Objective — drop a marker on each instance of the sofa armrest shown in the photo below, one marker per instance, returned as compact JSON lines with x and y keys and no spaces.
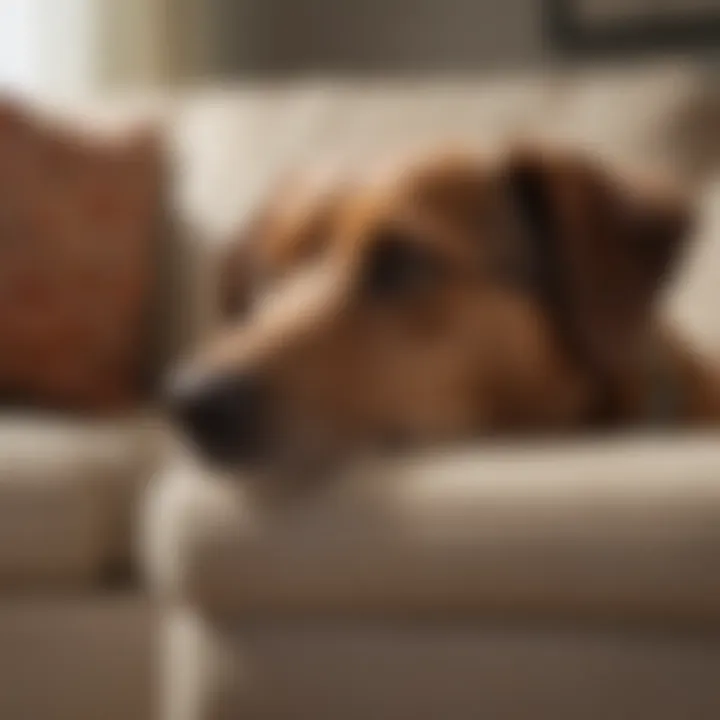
{"x":610,"y":528}
{"x":68,"y":490}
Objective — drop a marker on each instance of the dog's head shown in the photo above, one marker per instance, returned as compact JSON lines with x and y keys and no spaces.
{"x":457,"y":297}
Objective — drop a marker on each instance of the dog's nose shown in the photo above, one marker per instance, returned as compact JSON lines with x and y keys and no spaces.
{"x":222,"y":415}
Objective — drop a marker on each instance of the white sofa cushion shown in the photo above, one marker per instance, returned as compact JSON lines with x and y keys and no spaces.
{"x":66,"y":489}
{"x":615,"y":527}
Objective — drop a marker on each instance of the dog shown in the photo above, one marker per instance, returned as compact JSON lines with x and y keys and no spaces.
{"x":454,"y":297}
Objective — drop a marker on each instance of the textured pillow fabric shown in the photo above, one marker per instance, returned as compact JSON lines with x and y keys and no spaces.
{"x":80,"y":227}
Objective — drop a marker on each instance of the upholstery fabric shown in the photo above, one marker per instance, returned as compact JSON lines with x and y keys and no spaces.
{"x":81,"y":217}
{"x":78,"y":657}
{"x":424,"y":671}
{"x":67,"y":496}
{"x":235,"y":141}
{"x":616,"y":528}
{"x":694,"y":301}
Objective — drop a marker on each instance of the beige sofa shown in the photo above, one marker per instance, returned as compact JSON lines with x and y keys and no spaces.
{"x":501,"y":582}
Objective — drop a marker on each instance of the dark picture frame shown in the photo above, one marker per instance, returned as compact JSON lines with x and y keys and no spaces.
{"x":569,"y":34}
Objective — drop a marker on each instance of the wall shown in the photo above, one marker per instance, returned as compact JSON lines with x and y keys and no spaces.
{"x":316,"y":36}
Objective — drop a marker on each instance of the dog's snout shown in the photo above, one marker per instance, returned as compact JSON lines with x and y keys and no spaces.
{"x":223,"y":415}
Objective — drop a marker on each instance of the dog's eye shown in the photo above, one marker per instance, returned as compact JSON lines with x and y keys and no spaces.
{"x":397,"y":264}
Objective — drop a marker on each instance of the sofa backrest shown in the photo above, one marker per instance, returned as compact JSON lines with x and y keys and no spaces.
{"x":229,"y":144}
{"x":235,"y":141}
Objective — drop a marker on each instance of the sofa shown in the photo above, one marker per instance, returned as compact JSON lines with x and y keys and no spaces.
{"x":570,"y":580}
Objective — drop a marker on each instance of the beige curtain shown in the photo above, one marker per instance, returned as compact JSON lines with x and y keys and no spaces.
{"x":149,"y":42}
{"x":86,"y":47}
{"x":133,"y":45}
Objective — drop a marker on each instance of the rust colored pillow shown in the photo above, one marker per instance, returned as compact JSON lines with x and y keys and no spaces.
{"x":80,"y":222}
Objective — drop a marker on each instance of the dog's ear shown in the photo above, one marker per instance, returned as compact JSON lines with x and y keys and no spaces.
{"x":604,"y":246}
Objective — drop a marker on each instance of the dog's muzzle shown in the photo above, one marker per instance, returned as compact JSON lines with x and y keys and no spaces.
{"x":224,"y":416}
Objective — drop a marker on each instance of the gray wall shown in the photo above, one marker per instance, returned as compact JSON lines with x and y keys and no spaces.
{"x":371,"y":36}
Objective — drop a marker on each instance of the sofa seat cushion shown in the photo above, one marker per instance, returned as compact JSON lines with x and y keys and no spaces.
{"x":66,"y":490}
{"x":609,"y":528}
{"x":79,"y":657}
{"x":355,"y":670}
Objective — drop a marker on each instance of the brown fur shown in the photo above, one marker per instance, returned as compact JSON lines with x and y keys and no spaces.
{"x":474,"y":349}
